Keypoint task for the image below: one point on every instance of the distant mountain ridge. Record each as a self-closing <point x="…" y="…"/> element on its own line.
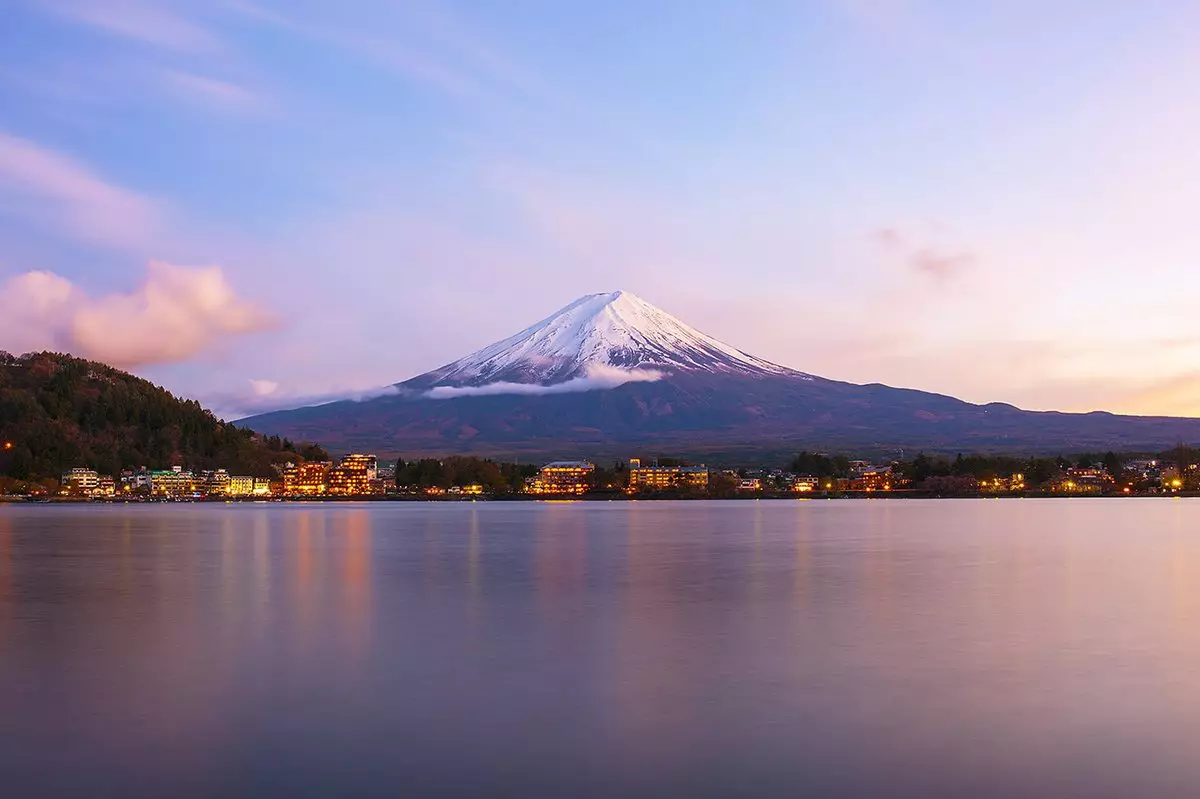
<point x="611" y="372"/>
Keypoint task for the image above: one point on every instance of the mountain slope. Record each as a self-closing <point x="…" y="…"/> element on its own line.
<point x="678" y="390"/>
<point x="59" y="412"/>
<point x="598" y="332"/>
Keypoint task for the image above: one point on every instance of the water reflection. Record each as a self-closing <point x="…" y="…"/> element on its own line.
<point x="356" y="582"/>
<point x="690" y="649"/>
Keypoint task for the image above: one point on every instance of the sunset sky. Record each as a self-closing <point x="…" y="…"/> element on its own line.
<point x="251" y="201"/>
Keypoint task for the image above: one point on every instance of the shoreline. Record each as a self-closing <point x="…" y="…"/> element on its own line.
<point x="845" y="495"/>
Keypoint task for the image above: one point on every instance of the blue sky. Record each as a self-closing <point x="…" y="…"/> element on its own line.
<point x="992" y="200"/>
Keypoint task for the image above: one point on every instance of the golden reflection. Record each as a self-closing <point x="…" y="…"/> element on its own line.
<point x="356" y="581"/>
<point x="877" y="560"/>
<point x="473" y="553"/>
<point x="304" y="566"/>
<point x="229" y="565"/>
<point x="559" y="552"/>
<point x="803" y="556"/>
<point x="433" y="547"/>
<point x="653" y="677"/>
<point x="6" y="556"/>
<point x="1185" y="597"/>
<point x="306" y="594"/>
<point x="757" y="582"/>
<point x="262" y="565"/>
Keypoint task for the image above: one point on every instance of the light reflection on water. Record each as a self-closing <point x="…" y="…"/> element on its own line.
<point x="900" y="648"/>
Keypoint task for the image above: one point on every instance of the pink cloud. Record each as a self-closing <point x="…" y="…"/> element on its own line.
<point x="57" y="190"/>
<point x="176" y="314"/>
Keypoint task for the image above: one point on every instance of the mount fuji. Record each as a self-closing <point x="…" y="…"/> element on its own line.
<point x="610" y="373"/>
<point x="600" y="334"/>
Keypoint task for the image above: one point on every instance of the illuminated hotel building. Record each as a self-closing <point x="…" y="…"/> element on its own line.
<point x="172" y="483"/>
<point x="802" y="484"/>
<point x="355" y="475"/>
<point x="307" y="479"/>
<point x="240" y="486"/>
<point x="562" y="477"/>
<point x="872" y="478"/>
<point x="662" y="478"/>
<point x="81" y="479"/>
<point x="367" y="463"/>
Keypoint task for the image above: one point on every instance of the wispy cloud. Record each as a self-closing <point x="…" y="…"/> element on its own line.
<point x="57" y="191"/>
<point x="220" y="95"/>
<point x="926" y="259"/>
<point x="155" y="23"/>
<point x="420" y="42"/>
<point x="175" y="315"/>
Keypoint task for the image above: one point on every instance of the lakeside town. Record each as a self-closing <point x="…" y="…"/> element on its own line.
<point x="362" y="476"/>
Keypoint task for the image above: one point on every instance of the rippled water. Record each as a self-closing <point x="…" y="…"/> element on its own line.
<point x="825" y="648"/>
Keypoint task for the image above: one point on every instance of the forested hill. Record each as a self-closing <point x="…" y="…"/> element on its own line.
<point x="57" y="412"/>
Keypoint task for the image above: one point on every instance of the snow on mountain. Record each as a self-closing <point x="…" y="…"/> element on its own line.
<point x="598" y="341"/>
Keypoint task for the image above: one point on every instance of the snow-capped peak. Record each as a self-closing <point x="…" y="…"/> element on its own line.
<point x="615" y="331"/>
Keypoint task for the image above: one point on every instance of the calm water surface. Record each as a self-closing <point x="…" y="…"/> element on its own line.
<point x="848" y="648"/>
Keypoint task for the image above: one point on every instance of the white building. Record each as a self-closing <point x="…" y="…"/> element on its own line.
<point x="240" y="485"/>
<point x="81" y="479"/>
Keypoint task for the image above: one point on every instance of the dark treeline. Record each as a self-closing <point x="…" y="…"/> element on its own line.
<point x="58" y="412"/>
<point x="963" y="470"/>
<point x="462" y="470"/>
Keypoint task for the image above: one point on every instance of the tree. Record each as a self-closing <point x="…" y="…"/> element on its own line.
<point x="721" y="485"/>
<point x="1114" y="465"/>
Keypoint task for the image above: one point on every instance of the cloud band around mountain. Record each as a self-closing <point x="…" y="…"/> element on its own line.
<point x="594" y="379"/>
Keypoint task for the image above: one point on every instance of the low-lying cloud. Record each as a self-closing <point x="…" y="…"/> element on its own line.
<point x="266" y="396"/>
<point x="595" y="378"/>
<point x="176" y="314"/>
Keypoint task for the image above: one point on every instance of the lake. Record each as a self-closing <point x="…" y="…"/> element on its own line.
<point x="1036" y="647"/>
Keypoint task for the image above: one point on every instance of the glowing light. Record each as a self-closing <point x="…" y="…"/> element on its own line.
<point x="8" y="445"/>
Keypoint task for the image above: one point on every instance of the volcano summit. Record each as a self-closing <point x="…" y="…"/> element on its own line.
<point x="599" y="341"/>
<point x="611" y="372"/>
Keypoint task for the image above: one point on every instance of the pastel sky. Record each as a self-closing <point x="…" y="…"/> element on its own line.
<point x="251" y="201"/>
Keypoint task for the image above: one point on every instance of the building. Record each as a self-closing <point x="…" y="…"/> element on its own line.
<point x="805" y="484"/>
<point x="562" y="477"/>
<point x="307" y="479"/>
<point x="663" y="478"/>
<point x="81" y="480"/>
<point x="865" y="477"/>
<point x="135" y="480"/>
<point x="174" y="482"/>
<point x="750" y="484"/>
<point x="217" y="483"/>
<point x="262" y="487"/>
<point x="360" y="462"/>
<point x="240" y="486"/>
<point x="1082" y="481"/>
<point x="355" y="475"/>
